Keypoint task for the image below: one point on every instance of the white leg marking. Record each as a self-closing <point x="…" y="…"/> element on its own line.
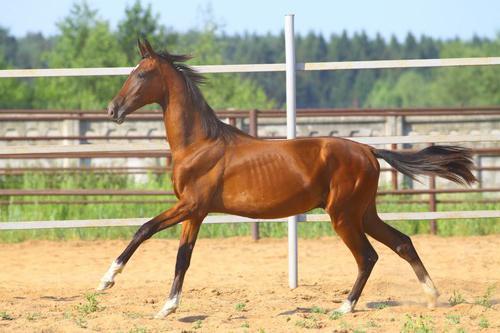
<point x="431" y="292"/>
<point x="346" y="307"/>
<point x="170" y="306"/>
<point x="108" y="280"/>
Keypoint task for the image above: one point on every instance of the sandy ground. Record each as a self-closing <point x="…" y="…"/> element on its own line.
<point x="237" y="285"/>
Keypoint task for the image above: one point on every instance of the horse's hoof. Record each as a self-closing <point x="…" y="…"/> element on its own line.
<point x="431" y="302"/>
<point x="103" y="285"/>
<point x="346" y="307"/>
<point x="164" y="313"/>
<point x="432" y="297"/>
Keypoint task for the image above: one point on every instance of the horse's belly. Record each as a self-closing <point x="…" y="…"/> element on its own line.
<point x="276" y="198"/>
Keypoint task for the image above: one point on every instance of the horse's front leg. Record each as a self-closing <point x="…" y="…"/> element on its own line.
<point x="168" y="218"/>
<point x="189" y="234"/>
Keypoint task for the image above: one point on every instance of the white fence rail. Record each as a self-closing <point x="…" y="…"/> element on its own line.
<point x="164" y="147"/>
<point x="220" y="219"/>
<point x="257" y="68"/>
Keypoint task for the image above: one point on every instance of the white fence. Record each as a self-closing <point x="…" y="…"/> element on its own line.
<point x="290" y="67"/>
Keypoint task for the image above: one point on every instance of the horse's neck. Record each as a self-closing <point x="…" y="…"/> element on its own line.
<point x="182" y="120"/>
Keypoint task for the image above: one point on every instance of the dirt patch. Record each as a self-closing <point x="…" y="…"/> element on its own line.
<point x="238" y="285"/>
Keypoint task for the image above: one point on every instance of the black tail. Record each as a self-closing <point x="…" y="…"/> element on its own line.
<point x="450" y="162"/>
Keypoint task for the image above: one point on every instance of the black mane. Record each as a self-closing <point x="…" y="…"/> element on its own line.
<point x="213" y="127"/>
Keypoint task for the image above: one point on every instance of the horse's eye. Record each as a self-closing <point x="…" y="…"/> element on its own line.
<point x="141" y="75"/>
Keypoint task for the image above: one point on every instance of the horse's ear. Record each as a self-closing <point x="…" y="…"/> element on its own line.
<point x="148" y="47"/>
<point x="142" y="49"/>
<point x="145" y="48"/>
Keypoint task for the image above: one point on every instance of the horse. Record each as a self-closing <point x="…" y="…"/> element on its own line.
<point x="218" y="168"/>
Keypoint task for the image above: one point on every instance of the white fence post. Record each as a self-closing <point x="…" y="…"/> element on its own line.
<point x="290" y="134"/>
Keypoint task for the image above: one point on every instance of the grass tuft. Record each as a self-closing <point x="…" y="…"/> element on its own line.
<point x="456" y="298"/>
<point x="421" y="324"/>
<point x="90" y="306"/>
<point x="5" y="316"/>
<point x="485" y="299"/>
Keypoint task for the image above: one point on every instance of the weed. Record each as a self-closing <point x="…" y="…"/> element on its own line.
<point x="91" y="306"/>
<point x="310" y="322"/>
<point x="485" y="300"/>
<point x="421" y="324"/>
<point x="81" y="322"/>
<point x="5" y="316"/>
<point x="453" y="318"/>
<point x="456" y="298"/>
<point x="372" y="324"/>
<point x="33" y="316"/>
<point x="335" y="315"/>
<point x="133" y="315"/>
<point x="245" y="325"/>
<point x="317" y="309"/>
<point x="344" y="325"/>
<point x="197" y="324"/>
<point x="240" y="307"/>
<point x="484" y="323"/>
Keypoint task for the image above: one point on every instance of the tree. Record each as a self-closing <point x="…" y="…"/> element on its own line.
<point x="469" y="86"/>
<point x="410" y="89"/>
<point x="222" y="90"/>
<point x="8" y="46"/>
<point x="14" y="93"/>
<point x="140" y="21"/>
<point x="85" y="41"/>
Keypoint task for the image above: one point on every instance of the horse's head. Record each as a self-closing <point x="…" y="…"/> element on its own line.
<point x="143" y="86"/>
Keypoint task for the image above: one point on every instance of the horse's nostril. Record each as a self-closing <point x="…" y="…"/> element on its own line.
<point x="111" y="111"/>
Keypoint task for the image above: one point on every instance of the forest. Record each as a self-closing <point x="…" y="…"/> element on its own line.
<point x="84" y="39"/>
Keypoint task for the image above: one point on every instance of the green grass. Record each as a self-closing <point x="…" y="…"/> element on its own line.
<point x="485" y="299"/>
<point x="420" y="324"/>
<point x="90" y="305"/>
<point x="34" y="212"/>
<point x="456" y="298"/>
<point x="5" y="316"/>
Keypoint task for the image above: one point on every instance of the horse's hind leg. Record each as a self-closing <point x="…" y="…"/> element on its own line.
<point x="402" y="245"/>
<point x="189" y="234"/>
<point x="349" y="228"/>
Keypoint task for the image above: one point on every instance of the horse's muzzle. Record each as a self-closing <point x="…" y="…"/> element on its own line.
<point x="115" y="113"/>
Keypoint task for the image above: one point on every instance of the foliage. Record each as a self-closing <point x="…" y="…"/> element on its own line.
<point x="14" y="93"/>
<point x="90" y="305"/>
<point x="456" y="298"/>
<point x="421" y="324"/>
<point x="86" y="40"/>
<point x="5" y="316"/>
<point x="141" y="21"/>
<point x="485" y="299"/>
<point x="222" y="91"/>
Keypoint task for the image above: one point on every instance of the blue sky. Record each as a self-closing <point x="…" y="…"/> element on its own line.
<point x="438" y="18"/>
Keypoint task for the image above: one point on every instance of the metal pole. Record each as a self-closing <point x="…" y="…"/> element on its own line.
<point x="252" y="124"/>
<point x="432" y="203"/>
<point x="290" y="134"/>
<point x="394" y="172"/>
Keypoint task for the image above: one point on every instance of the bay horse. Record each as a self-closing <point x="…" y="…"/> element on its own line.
<point x="218" y="168"/>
